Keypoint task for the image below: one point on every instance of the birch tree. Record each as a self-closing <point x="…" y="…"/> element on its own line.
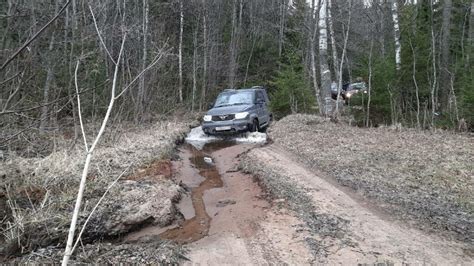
<point x="396" y="31"/>
<point x="323" y="61"/>
<point x="313" y="37"/>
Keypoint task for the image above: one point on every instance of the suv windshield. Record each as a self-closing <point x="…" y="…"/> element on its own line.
<point x="234" y="98"/>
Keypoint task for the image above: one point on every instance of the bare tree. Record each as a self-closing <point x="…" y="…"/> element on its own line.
<point x="140" y="104"/>
<point x="323" y="60"/>
<point x="333" y="39"/>
<point x="396" y="31"/>
<point x="445" y="77"/>
<point x="204" y="57"/>
<point x="180" y="50"/>
<point x="89" y="152"/>
<point x="344" y="49"/>
<point x="313" y="37"/>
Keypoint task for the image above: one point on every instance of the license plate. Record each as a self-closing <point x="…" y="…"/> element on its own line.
<point x="222" y="128"/>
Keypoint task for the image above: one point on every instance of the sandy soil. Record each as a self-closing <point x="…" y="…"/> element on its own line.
<point x="378" y="236"/>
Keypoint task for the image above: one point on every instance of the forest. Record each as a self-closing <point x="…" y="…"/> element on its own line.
<point x="415" y="57"/>
<point x="129" y="82"/>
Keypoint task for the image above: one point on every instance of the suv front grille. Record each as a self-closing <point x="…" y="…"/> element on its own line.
<point x="222" y="117"/>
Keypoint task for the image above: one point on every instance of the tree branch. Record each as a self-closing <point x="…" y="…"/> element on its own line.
<point x="34" y="37"/>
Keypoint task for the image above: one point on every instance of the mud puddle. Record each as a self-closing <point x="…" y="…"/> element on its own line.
<point x="197" y="173"/>
<point x="197" y="227"/>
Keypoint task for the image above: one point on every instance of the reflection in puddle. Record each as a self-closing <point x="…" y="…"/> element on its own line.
<point x="198" y="226"/>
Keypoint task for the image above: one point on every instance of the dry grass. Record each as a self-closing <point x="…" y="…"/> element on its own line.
<point x="424" y="175"/>
<point x="42" y="218"/>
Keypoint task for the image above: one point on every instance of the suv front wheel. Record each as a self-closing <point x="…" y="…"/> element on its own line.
<point x="254" y="126"/>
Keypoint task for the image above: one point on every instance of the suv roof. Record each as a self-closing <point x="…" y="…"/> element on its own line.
<point x="254" y="88"/>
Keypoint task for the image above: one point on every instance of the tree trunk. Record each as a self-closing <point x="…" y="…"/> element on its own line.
<point x="333" y="40"/>
<point x="346" y="38"/>
<point x="445" y="77"/>
<point x="396" y="29"/>
<point x="193" y="93"/>
<point x="281" y="30"/>
<point x="369" y="90"/>
<point x="435" y="78"/>
<point x="141" y="99"/>
<point x="204" y="63"/>
<point x="313" y="37"/>
<point x="323" y="61"/>
<point x="471" y="36"/>
<point x="47" y="85"/>
<point x="180" y="52"/>
<point x="233" y="46"/>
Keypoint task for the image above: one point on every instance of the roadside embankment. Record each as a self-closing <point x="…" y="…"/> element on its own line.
<point x="37" y="194"/>
<point x="421" y="176"/>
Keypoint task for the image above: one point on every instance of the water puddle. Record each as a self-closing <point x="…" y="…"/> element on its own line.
<point x="199" y="174"/>
<point x="197" y="227"/>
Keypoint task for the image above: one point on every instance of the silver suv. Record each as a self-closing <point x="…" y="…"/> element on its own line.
<point x="238" y="111"/>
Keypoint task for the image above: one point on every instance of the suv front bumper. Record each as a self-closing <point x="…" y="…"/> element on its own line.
<point x="225" y="127"/>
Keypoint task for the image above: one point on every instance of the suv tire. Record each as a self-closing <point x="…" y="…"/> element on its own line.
<point x="254" y="127"/>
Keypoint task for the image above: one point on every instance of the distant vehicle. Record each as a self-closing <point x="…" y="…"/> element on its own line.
<point x="349" y="90"/>
<point x="238" y="111"/>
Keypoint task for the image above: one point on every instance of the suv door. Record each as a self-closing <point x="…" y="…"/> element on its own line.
<point x="262" y="111"/>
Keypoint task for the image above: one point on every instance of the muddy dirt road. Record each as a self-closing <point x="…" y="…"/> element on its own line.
<point x="228" y="219"/>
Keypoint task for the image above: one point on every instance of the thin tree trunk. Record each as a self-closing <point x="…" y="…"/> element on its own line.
<point x="396" y="29"/>
<point x="248" y="61"/>
<point x="369" y="91"/>
<point x="204" y="63"/>
<point x="333" y="39"/>
<point x="281" y="30"/>
<point x="435" y="79"/>
<point x="323" y="61"/>
<point x="47" y="85"/>
<point x="194" y="70"/>
<point x="141" y="99"/>
<point x="233" y="46"/>
<point x="85" y="171"/>
<point x="470" y="36"/>
<point x="317" y="92"/>
<point x="417" y="94"/>
<point x="445" y="77"/>
<point x="180" y="52"/>
<point x="346" y="38"/>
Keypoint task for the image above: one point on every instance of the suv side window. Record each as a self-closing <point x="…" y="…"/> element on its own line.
<point x="260" y="97"/>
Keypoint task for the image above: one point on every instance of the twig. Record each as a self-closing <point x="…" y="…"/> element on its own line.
<point x="157" y="58"/>
<point x="100" y="36"/>
<point x="79" y="106"/>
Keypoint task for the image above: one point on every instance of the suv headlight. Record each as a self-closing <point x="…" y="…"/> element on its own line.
<point x="241" y="115"/>
<point x="207" y="118"/>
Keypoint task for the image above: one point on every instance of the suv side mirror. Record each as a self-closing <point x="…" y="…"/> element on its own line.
<point x="210" y="106"/>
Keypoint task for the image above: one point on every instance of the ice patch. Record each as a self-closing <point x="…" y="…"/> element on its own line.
<point x="198" y="138"/>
